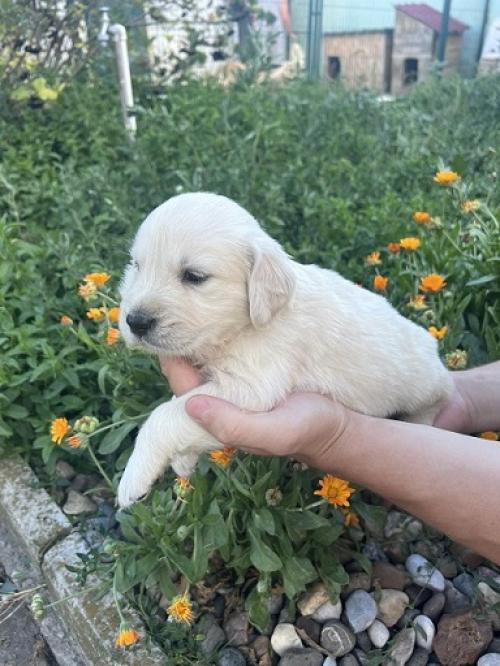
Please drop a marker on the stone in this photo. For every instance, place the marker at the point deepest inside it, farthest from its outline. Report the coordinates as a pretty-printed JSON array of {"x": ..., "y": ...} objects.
[
  {"x": 287, "y": 613},
  {"x": 434, "y": 606},
  {"x": 328, "y": 611},
  {"x": 363, "y": 641},
  {"x": 301, "y": 657},
  {"x": 417, "y": 595},
  {"x": 464, "y": 583},
  {"x": 455, "y": 601},
  {"x": 64, "y": 470},
  {"x": 360, "y": 610},
  {"x": 396, "y": 551},
  {"x": 80, "y": 482},
  {"x": 406, "y": 620},
  {"x": 310, "y": 601},
  {"x": 420, "y": 657},
  {"x": 76, "y": 504},
  {"x": 489, "y": 659},
  {"x": 361, "y": 656},
  {"x": 337, "y": 639},
  {"x": 349, "y": 660},
  {"x": 494, "y": 646},
  {"x": 261, "y": 646},
  {"x": 386, "y": 575},
  {"x": 423, "y": 573},
  {"x": 231, "y": 657},
  {"x": 284, "y": 638},
  {"x": 266, "y": 660},
  {"x": 486, "y": 572},
  {"x": 467, "y": 556},
  {"x": 275, "y": 602},
  {"x": 212, "y": 632},
  {"x": 357, "y": 581},
  {"x": 330, "y": 661},
  {"x": 460, "y": 639},
  {"x": 312, "y": 628},
  {"x": 424, "y": 632},
  {"x": 447, "y": 566},
  {"x": 236, "y": 628},
  {"x": 219, "y": 604},
  {"x": 402, "y": 524},
  {"x": 391, "y": 605},
  {"x": 401, "y": 648},
  {"x": 488, "y": 594},
  {"x": 374, "y": 552},
  {"x": 379, "y": 634}
]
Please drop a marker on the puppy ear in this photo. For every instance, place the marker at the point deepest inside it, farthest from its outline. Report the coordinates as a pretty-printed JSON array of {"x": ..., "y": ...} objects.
[{"x": 271, "y": 282}]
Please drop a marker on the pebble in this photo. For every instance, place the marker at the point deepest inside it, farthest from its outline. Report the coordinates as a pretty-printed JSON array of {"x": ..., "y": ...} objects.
[
  {"x": 417, "y": 595},
  {"x": 328, "y": 611},
  {"x": 275, "y": 602},
  {"x": 360, "y": 610},
  {"x": 337, "y": 639},
  {"x": 406, "y": 620},
  {"x": 301, "y": 657},
  {"x": 349, "y": 660},
  {"x": 494, "y": 646},
  {"x": 219, "y": 604},
  {"x": 397, "y": 551},
  {"x": 402, "y": 647},
  {"x": 236, "y": 628},
  {"x": 460, "y": 639},
  {"x": 434, "y": 606},
  {"x": 387, "y": 576},
  {"x": 231, "y": 657},
  {"x": 398, "y": 523},
  {"x": 447, "y": 566},
  {"x": 64, "y": 470},
  {"x": 310, "y": 601},
  {"x": 312, "y": 628},
  {"x": 363, "y": 641},
  {"x": 287, "y": 613},
  {"x": 361, "y": 656},
  {"x": 490, "y": 659},
  {"x": 330, "y": 661},
  {"x": 357, "y": 581},
  {"x": 284, "y": 638},
  {"x": 80, "y": 482},
  {"x": 76, "y": 504},
  {"x": 420, "y": 657},
  {"x": 465, "y": 584},
  {"x": 423, "y": 573},
  {"x": 455, "y": 601},
  {"x": 424, "y": 632},
  {"x": 391, "y": 605},
  {"x": 374, "y": 552},
  {"x": 488, "y": 594},
  {"x": 213, "y": 634},
  {"x": 261, "y": 646},
  {"x": 379, "y": 634}
]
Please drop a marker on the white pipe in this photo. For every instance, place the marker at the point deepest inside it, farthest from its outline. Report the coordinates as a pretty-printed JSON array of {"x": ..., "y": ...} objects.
[{"x": 126, "y": 93}]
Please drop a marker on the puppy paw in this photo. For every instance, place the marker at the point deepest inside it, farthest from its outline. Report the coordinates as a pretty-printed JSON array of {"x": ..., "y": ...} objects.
[
  {"x": 184, "y": 464},
  {"x": 133, "y": 486}
]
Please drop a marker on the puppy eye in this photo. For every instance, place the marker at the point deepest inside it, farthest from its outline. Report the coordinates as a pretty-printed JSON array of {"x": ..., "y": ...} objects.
[{"x": 191, "y": 277}]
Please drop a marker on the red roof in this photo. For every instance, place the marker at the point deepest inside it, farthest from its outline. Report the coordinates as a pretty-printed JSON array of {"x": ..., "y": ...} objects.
[{"x": 431, "y": 17}]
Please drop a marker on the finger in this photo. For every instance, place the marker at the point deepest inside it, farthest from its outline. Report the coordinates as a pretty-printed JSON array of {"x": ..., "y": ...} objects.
[{"x": 181, "y": 375}]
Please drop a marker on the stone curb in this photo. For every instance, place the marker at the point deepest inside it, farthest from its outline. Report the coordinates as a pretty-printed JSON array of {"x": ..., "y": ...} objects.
[{"x": 42, "y": 534}]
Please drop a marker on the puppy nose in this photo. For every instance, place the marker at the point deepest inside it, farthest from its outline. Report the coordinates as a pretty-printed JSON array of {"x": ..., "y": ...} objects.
[{"x": 140, "y": 323}]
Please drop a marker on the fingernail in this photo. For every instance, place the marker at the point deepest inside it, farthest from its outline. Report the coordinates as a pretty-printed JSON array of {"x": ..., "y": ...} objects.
[{"x": 198, "y": 408}]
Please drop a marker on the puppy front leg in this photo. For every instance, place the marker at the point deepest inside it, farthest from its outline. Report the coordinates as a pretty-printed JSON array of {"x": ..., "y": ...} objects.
[{"x": 168, "y": 436}]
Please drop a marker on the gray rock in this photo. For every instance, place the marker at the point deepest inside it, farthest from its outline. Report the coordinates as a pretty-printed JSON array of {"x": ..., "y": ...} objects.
[
  {"x": 236, "y": 628},
  {"x": 357, "y": 581},
  {"x": 301, "y": 657},
  {"x": 360, "y": 610},
  {"x": 406, "y": 620},
  {"x": 424, "y": 632},
  {"x": 434, "y": 607},
  {"x": 455, "y": 601},
  {"x": 328, "y": 611},
  {"x": 420, "y": 657},
  {"x": 231, "y": 657},
  {"x": 80, "y": 482},
  {"x": 401, "y": 524},
  {"x": 349, "y": 660},
  {"x": 337, "y": 639},
  {"x": 312, "y": 628},
  {"x": 310, "y": 601},
  {"x": 363, "y": 641},
  {"x": 494, "y": 646},
  {"x": 379, "y": 634},
  {"x": 423, "y": 573},
  {"x": 287, "y": 613},
  {"x": 488, "y": 594},
  {"x": 387, "y": 576},
  {"x": 361, "y": 656},
  {"x": 284, "y": 638},
  {"x": 275, "y": 602},
  {"x": 489, "y": 659},
  {"x": 402, "y": 648},
  {"x": 418, "y": 595},
  {"x": 374, "y": 552},
  {"x": 464, "y": 583},
  {"x": 77, "y": 504},
  {"x": 330, "y": 661},
  {"x": 261, "y": 646},
  {"x": 213, "y": 634},
  {"x": 391, "y": 605},
  {"x": 64, "y": 470}
]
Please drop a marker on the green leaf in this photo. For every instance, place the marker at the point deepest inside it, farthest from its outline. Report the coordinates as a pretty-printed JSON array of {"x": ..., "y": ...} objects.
[
  {"x": 484, "y": 279},
  {"x": 112, "y": 440},
  {"x": 297, "y": 572},
  {"x": 264, "y": 521},
  {"x": 16, "y": 412},
  {"x": 258, "y": 610},
  {"x": 261, "y": 555},
  {"x": 374, "y": 516}
]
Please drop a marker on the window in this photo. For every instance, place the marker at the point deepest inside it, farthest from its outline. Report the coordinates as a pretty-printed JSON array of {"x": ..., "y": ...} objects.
[
  {"x": 333, "y": 67},
  {"x": 410, "y": 72}
]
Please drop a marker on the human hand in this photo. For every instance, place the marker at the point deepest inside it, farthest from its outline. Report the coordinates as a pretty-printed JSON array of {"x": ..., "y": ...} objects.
[{"x": 457, "y": 413}]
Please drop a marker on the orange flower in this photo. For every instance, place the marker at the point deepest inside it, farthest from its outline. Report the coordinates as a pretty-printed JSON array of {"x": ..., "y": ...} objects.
[
  {"x": 470, "y": 205},
  {"x": 127, "y": 636},
  {"x": 65, "y": 321},
  {"x": 113, "y": 314},
  {"x": 181, "y": 609},
  {"x": 394, "y": 248},
  {"x": 438, "y": 333},
  {"x": 445, "y": 177},
  {"x": 97, "y": 279},
  {"x": 351, "y": 519},
  {"x": 380, "y": 283},
  {"x": 489, "y": 434},
  {"x": 421, "y": 217},
  {"x": 432, "y": 282},
  {"x": 95, "y": 313},
  {"x": 222, "y": 458},
  {"x": 333, "y": 490},
  {"x": 75, "y": 441},
  {"x": 59, "y": 428},
  {"x": 87, "y": 291},
  {"x": 373, "y": 258},
  {"x": 112, "y": 336},
  {"x": 410, "y": 243},
  {"x": 418, "y": 302}
]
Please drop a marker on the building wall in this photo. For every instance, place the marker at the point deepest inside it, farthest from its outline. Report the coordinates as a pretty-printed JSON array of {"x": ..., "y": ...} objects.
[
  {"x": 364, "y": 58},
  {"x": 412, "y": 39}
]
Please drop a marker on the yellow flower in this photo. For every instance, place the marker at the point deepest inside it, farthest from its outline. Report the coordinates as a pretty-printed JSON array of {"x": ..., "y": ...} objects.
[
  {"x": 65, "y": 321},
  {"x": 418, "y": 302},
  {"x": 351, "y": 519},
  {"x": 113, "y": 314},
  {"x": 75, "y": 441},
  {"x": 489, "y": 434},
  {"x": 127, "y": 636},
  {"x": 410, "y": 243},
  {"x": 438, "y": 333},
  {"x": 457, "y": 360},
  {"x": 333, "y": 490},
  {"x": 432, "y": 282},
  {"x": 421, "y": 217},
  {"x": 87, "y": 290},
  {"x": 182, "y": 486},
  {"x": 445, "y": 177},
  {"x": 470, "y": 205},
  {"x": 394, "y": 248},
  {"x": 97, "y": 279},
  {"x": 112, "y": 336},
  {"x": 181, "y": 609},
  {"x": 59, "y": 428},
  {"x": 95, "y": 313},
  {"x": 380, "y": 283},
  {"x": 373, "y": 258},
  {"x": 222, "y": 458}
]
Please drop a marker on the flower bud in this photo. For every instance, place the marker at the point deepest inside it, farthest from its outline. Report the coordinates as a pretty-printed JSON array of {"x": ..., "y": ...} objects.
[
  {"x": 457, "y": 360},
  {"x": 37, "y": 606},
  {"x": 86, "y": 424}
]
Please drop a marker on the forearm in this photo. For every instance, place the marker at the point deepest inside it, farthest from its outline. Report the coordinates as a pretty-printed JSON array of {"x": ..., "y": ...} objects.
[
  {"x": 449, "y": 480},
  {"x": 481, "y": 390}
]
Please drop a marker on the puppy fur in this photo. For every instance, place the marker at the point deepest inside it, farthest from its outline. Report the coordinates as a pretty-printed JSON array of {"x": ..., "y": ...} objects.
[{"x": 260, "y": 326}]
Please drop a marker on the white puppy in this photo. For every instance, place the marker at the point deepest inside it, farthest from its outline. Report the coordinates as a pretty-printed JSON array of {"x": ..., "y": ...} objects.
[{"x": 205, "y": 282}]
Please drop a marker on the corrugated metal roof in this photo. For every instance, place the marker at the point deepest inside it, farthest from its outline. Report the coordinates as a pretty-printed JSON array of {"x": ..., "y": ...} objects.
[{"x": 431, "y": 17}]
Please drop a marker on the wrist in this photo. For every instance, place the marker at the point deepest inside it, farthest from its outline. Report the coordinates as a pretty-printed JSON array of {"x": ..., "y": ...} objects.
[{"x": 479, "y": 389}]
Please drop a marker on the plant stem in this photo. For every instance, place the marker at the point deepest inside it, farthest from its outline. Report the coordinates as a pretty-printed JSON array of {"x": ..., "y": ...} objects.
[{"x": 99, "y": 467}]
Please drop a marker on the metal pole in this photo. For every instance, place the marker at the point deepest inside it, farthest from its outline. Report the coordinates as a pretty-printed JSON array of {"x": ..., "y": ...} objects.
[
  {"x": 443, "y": 33},
  {"x": 484, "y": 25},
  {"x": 314, "y": 38}
]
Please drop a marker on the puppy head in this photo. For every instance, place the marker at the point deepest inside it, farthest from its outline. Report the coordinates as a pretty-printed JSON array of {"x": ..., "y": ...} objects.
[{"x": 202, "y": 270}]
